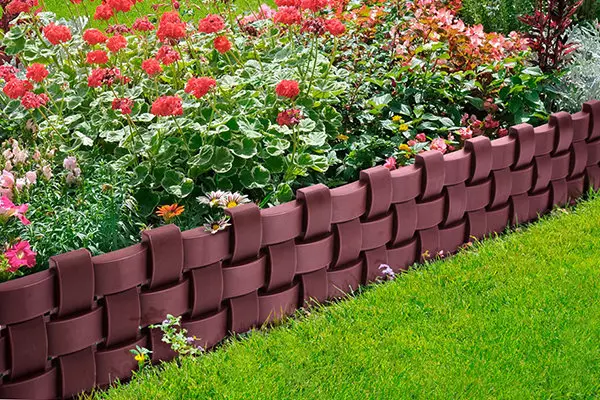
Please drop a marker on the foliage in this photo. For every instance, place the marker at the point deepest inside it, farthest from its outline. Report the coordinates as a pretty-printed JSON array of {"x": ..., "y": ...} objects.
[
  {"x": 498, "y": 16},
  {"x": 176, "y": 336},
  {"x": 581, "y": 81},
  {"x": 172, "y": 108},
  {"x": 547, "y": 32},
  {"x": 503, "y": 15},
  {"x": 417, "y": 90}
]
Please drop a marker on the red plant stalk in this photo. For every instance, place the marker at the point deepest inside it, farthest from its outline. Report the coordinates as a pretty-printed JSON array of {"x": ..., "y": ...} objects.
[{"x": 547, "y": 34}]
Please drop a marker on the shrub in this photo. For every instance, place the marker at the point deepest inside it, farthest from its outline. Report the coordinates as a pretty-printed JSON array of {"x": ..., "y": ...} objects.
[
  {"x": 547, "y": 28},
  {"x": 581, "y": 81}
]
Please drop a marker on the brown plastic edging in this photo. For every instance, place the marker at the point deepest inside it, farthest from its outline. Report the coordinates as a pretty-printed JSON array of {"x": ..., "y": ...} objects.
[{"x": 71, "y": 328}]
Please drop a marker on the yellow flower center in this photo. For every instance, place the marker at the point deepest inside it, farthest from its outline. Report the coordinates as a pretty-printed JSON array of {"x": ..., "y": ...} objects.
[
  {"x": 231, "y": 204},
  {"x": 216, "y": 227},
  {"x": 20, "y": 255}
]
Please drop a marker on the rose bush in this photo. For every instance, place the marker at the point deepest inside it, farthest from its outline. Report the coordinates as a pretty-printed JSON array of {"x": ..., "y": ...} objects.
[{"x": 173, "y": 114}]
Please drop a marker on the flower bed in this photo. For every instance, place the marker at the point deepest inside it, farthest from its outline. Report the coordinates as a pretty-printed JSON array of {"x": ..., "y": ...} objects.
[
  {"x": 70, "y": 328},
  {"x": 110, "y": 130}
]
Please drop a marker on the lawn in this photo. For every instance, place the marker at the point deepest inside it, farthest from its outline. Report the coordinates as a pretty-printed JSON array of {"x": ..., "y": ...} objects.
[
  {"x": 515, "y": 317},
  {"x": 65, "y": 9}
]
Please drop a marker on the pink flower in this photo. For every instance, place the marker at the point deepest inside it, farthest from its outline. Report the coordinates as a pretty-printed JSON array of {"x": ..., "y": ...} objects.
[
  {"x": 31, "y": 177},
  {"x": 390, "y": 163},
  {"x": 8, "y": 209},
  {"x": 20, "y": 184},
  {"x": 70, "y": 163},
  {"x": 20, "y": 255},
  {"x": 502, "y": 132},
  {"x": 47, "y": 171},
  {"x": 421, "y": 137},
  {"x": 489, "y": 122},
  {"x": 465, "y": 133},
  {"x": 7, "y": 179},
  {"x": 439, "y": 144}
]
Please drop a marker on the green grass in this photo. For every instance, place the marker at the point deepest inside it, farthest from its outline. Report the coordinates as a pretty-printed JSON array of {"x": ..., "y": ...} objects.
[
  {"x": 514, "y": 318},
  {"x": 64, "y": 9}
]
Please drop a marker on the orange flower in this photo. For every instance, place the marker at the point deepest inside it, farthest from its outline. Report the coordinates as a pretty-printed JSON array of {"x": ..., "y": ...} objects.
[{"x": 169, "y": 212}]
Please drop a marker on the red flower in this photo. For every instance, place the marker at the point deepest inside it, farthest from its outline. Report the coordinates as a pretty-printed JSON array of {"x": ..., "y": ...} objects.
[
  {"x": 289, "y": 89},
  {"x": 287, "y": 3},
  {"x": 222, "y": 44},
  {"x": 117, "y": 29},
  {"x": 167, "y": 55},
  {"x": 124, "y": 105},
  {"x": 19, "y": 6},
  {"x": 289, "y": 117},
  {"x": 94, "y": 36},
  {"x": 103, "y": 12},
  {"x": 121, "y": 5},
  {"x": 151, "y": 66},
  {"x": 96, "y": 57},
  {"x": 142, "y": 25},
  {"x": 421, "y": 137},
  {"x": 57, "y": 33},
  {"x": 170, "y": 27},
  {"x": 116, "y": 43},
  {"x": 16, "y": 88},
  {"x": 37, "y": 72},
  {"x": 313, "y": 5},
  {"x": 211, "y": 23},
  {"x": 502, "y": 132},
  {"x": 7, "y": 72},
  {"x": 335, "y": 27},
  {"x": 198, "y": 87},
  {"x": 314, "y": 25},
  {"x": 31, "y": 100},
  {"x": 166, "y": 106},
  {"x": 287, "y": 16},
  {"x": 105, "y": 76}
]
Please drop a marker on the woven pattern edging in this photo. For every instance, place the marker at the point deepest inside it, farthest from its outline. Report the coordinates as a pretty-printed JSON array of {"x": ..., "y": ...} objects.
[{"x": 71, "y": 328}]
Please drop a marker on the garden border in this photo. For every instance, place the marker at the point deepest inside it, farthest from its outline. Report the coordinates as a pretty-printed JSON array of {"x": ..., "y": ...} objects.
[{"x": 71, "y": 328}]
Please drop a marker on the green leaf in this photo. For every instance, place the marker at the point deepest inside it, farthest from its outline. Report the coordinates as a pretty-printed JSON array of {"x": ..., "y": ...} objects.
[
  {"x": 85, "y": 140},
  {"x": 201, "y": 161},
  {"x": 475, "y": 101},
  {"x": 284, "y": 193},
  {"x": 307, "y": 125},
  {"x": 14, "y": 47},
  {"x": 260, "y": 175},
  {"x": 246, "y": 179},
  {"x": 175, "y": 183},
  {"x": 145, "y": 117},
  {"x": 140, "y": 173},
  {"x": 147, "y": 201},
  {"x": 275, "y": 164},
  {"x": 222, "y": 160},
  {"x": 245, "y": 148},
  {"x": 316, "y": 162},
  {"x": 73, "y": 102},
  {"x": 195, "y": 142}
]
